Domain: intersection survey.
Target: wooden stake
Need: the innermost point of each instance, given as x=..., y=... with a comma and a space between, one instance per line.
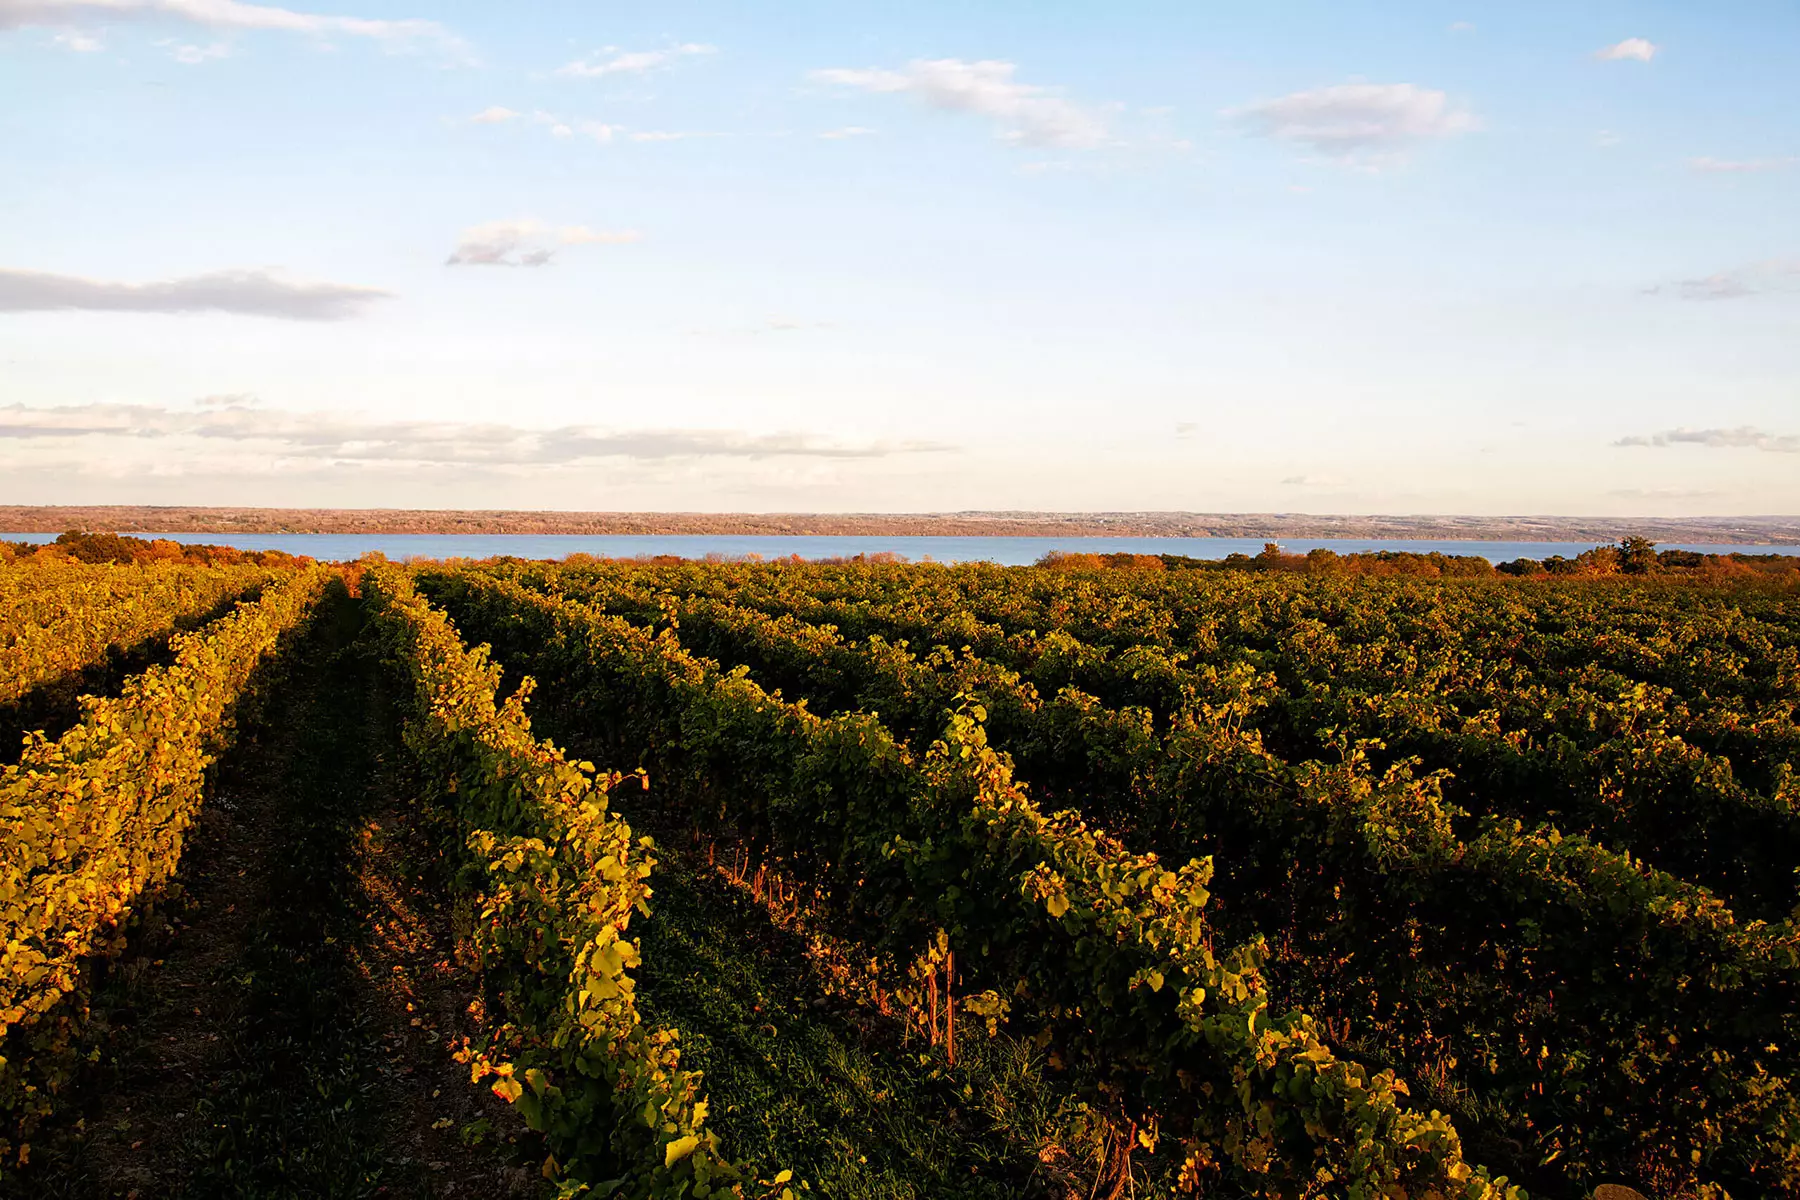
x=931, y=990
x=950, y=1005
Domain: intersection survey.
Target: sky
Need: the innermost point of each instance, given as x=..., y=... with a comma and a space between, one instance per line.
x=1448, y=256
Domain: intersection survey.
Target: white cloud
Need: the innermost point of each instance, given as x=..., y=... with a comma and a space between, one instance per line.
x=494, y=115
x=848, y=131
x=1630, y=50
x=1462, y=27
x=81, y=43
x=1743, y=165
x=1366, y=121
x=615, y=62
x=1026, y=113
x=1769, y=276
x=223, y=14
x=337, y=438
x=1744, y=437
x=526, y=242
x=249, y=292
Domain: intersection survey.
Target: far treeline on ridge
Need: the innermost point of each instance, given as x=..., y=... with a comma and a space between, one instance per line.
x=149, y=519
x=1632, y=556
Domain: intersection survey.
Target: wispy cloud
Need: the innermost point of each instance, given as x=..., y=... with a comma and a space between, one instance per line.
x=1773, y=275
x=345, y=438
x=1635, y=49
x=671, y=135
x=848, y=131
x=1664, y=493
x=193, y=55
x=604, y=132
x=224, y=14
x=581, y=235
x=1358, y=121
x=81, y=43
x=600, y=131
x=773, y=325
x=1725, y=166
x=613, y=61
x=1744, y=437
x=249, y=292
x=526, y=242
x=1025, y=113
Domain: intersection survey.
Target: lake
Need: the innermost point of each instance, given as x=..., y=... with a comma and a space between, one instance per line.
x=1006, y=551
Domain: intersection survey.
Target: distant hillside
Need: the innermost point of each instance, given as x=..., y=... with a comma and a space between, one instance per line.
x=129, y=519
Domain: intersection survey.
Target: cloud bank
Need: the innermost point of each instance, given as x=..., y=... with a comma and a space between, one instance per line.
x=247, y=292
x=1025, y=113
x=334, y=438
x=1744, y=437
x=1357, y=120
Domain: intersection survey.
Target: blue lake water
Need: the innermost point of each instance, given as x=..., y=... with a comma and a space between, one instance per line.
x=1007, y=551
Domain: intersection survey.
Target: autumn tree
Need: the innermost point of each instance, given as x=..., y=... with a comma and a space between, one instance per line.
x=1637, y=555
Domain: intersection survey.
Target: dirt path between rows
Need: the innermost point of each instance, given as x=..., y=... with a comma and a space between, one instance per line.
x=282, y=1027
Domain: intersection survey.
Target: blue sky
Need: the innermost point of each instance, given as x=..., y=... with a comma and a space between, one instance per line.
x=1407, y=257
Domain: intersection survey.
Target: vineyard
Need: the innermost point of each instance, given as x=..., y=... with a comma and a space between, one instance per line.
x=875, y=880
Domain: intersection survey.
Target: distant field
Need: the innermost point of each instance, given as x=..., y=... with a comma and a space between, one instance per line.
x=883, y=881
